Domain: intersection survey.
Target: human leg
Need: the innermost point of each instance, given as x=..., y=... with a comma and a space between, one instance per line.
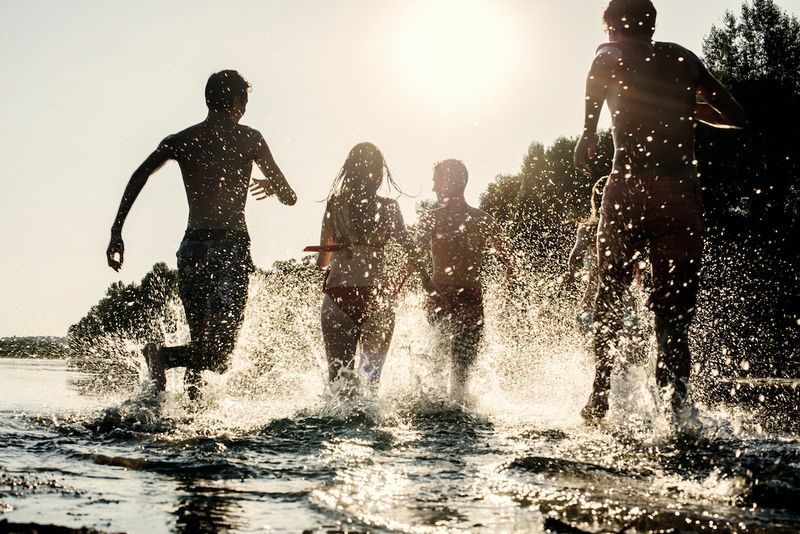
x=616, y=248
x=340, y=334
x=376, y=338
x=193, y=288
x=466, y=323
x=676, y=249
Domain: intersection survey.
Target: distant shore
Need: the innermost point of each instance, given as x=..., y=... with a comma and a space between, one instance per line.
x=34, y=347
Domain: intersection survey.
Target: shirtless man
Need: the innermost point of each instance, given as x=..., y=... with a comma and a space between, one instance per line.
x=657, y=93
x=458, y=236
x=216, y=160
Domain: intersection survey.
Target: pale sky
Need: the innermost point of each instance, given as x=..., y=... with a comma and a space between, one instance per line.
x=89, y=88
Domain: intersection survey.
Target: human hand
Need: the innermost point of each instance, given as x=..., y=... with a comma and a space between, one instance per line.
x=585, y=151
x=116, y=247
x=262, y=188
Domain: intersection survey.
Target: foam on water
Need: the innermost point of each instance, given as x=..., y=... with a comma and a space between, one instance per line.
x=268, y=442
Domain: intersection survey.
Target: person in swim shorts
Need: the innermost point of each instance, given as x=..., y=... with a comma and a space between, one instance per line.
x=657, y=93
x=216, y=159
x=358, y=307
x=458, y=237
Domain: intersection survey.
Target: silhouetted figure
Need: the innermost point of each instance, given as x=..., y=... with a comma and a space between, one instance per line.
x=583, y=259
x=656, y=92
x=358, y=307
x=216, y=160
x=459, y=237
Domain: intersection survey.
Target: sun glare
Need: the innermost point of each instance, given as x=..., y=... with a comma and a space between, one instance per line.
x=455, y=52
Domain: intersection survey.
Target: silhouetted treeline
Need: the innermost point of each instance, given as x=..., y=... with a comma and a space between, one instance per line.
x=34, y=347
x=751, y=192
x=107, y=342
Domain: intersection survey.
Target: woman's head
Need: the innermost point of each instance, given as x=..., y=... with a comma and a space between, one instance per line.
x=353, y=196
x=363, y=172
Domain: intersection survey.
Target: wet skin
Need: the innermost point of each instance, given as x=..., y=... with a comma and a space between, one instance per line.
x=216, y=159
x=459, y=236
x=656, y=93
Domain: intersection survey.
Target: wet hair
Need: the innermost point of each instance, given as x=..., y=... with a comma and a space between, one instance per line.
x=223, y=87
x=353, y=198
x=595, y=201
x=455, y=170
x=631, y=17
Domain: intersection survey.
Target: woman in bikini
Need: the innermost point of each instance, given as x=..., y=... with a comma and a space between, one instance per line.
x=358, y=306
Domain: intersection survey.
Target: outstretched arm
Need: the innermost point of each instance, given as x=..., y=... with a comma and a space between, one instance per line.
x=596, y=93
x=274, y=182
x=415, y=249
x=716, y=106
x=115, y=253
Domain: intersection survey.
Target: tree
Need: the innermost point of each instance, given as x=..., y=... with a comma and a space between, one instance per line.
x=754, y=174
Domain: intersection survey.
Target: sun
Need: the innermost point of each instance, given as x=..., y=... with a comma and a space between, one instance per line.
x=455, y=52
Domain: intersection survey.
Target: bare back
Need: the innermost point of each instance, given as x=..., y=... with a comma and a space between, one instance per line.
x=216, y=162
x=652, y=92
x=459, y=236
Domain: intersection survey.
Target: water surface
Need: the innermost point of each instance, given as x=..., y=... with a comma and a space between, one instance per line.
x=408, y=460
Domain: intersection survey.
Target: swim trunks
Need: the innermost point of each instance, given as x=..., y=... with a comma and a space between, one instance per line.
x=461, y=319
x=666, y=213
x=213, y=275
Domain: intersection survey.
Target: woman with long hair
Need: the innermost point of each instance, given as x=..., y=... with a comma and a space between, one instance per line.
x=358, y=306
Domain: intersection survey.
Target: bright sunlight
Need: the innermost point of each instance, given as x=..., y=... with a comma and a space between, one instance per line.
x=455, y=52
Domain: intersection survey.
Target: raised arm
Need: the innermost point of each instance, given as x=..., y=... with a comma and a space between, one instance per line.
x=716, y=106
x=596, y=94
x=274, y=182
x=115, y=253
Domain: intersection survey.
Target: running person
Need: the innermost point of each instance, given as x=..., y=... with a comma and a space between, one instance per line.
x=458, y=237
x=358, y=306
x=656, y=92
x=216, y=160
x=583, y=258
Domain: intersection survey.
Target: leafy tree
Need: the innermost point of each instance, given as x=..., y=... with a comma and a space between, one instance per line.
x=754, y=174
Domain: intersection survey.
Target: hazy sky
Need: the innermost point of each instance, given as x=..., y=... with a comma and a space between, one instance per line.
x=89, y=88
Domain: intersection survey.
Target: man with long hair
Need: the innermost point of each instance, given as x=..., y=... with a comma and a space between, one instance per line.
x=216, y=160
x=656, y=93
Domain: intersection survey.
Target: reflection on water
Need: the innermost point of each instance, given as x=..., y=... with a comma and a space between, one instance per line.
x=410, y=462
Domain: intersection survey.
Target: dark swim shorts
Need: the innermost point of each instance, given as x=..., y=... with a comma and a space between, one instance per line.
x=667, y=214
x=461, y=321
x=214, y=267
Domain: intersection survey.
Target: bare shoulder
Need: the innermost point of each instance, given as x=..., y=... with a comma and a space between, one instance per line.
x=680, y=54
x=608, y=54
x=249, y=135
x=187, y=133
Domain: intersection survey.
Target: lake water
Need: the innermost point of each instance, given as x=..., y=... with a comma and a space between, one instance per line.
x=407, y=460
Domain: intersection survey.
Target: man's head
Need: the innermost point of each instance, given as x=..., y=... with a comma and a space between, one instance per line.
x=449, y=179
x=631, y=18
x=226, y=91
